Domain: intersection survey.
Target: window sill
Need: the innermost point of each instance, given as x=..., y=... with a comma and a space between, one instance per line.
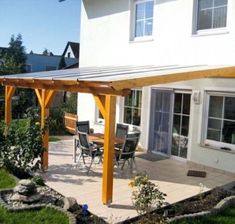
x=142, y=39
x=210, y=32
x=207, y=146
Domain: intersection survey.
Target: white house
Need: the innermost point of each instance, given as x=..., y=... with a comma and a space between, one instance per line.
x=191, y=120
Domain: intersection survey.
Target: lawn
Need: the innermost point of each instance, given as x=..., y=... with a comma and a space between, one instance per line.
x=226, y=217
x=45, y=216
x=6, y=180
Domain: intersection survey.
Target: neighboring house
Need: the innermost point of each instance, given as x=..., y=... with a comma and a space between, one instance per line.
x=41, y=62
x=71, y=50
x=192, y=120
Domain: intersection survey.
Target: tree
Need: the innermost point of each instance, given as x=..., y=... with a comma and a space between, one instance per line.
x=62, y=63
x=14, y=57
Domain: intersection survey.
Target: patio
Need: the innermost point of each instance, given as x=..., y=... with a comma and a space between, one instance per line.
x=72, y=180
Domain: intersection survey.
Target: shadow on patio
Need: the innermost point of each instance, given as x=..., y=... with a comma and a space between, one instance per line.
x=72, y=180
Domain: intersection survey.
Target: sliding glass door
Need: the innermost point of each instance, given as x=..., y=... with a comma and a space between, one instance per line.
x=160, y=128
x=169, y=122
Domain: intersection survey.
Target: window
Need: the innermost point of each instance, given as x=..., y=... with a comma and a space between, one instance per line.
x=132, y=108
x=211, y=14
x=221, y=119
x=143, y=18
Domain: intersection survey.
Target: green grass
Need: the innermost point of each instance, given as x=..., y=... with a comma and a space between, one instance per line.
x=45, y=216
x=6, y=180
x=226, y=217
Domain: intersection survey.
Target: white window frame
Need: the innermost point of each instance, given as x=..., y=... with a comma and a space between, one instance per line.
x=122, y=104
x=211, y=30
x=208, y=142
x=133, y=22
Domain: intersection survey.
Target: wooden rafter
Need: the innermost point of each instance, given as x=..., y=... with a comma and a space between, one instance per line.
x=45, y=98
x=227, y=72
x=9, y=92
x=100, y=102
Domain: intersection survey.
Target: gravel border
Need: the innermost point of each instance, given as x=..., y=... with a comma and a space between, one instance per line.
x=71, y=217
x=222, y=205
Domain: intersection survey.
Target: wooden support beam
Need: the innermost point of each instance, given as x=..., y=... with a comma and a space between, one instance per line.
x=100, y=102
x=109, y=135
x=9, y=92
x=45, y=98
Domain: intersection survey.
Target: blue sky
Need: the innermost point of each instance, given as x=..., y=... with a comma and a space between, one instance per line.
x=42, y=23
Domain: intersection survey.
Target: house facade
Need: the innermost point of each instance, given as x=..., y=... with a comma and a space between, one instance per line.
x=191, y=120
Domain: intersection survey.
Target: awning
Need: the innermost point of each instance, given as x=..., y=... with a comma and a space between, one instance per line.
x=114, y=80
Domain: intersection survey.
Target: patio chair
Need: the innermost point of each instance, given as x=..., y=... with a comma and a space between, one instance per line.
x=83, y=126
x=127, y=153
x=121, y=130
x=88, y=149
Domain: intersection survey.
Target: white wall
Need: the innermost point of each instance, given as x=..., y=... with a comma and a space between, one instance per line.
x=105, y=40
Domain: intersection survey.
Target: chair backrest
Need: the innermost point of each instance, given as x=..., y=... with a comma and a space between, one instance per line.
x=83, y=126
x=83, y=140
x=121, y=130
x=129, y=147
x=133, y=135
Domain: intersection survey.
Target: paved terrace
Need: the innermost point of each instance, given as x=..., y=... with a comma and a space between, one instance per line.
x=72, y=180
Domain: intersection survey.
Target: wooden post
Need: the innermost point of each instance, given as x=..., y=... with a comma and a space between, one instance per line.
x=109, y=134
x=45, y=98
x=9, y=92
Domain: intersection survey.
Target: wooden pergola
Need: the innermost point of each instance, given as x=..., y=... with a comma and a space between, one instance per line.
x=105, y=84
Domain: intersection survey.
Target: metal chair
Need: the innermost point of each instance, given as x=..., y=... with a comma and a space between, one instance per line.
x=127, y=153
x=83, y=126
x=88, y=149
x=121, y=130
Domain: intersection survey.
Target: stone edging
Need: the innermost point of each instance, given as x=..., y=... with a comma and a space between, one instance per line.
x=71, y=217
x=225, y=203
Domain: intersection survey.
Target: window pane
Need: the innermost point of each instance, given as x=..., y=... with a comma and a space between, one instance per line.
x=202, y=4
x=127, y=115
x=140, y=11
x=128, y=99
x=185, y=125
x=178, y=101
x=149, y=10
x=148, y=27
x=139, y=29
x=216, y=106
x=136, y=100
x=220, y=2
x=136, y=117
x=229, y=132
x=214, y=129
x=186, y=104
x=220, y=17
x=229, y=112
x=204, y=19
x=176, y=125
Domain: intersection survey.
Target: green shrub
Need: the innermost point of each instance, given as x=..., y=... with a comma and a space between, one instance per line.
x=21, y=148
x=38, y=180
x=56, y=121
x=146, y=194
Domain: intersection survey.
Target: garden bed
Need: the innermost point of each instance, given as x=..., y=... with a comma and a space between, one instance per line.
x=199, y=203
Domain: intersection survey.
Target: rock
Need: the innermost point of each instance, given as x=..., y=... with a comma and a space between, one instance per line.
x=25, y=187
x=18, y=197
x=71, y=204
x=26, y=182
